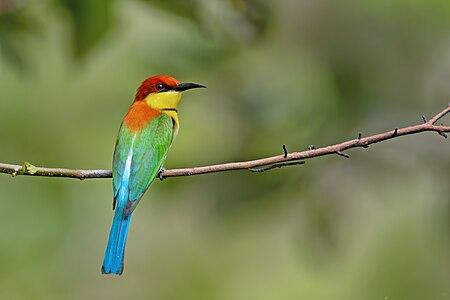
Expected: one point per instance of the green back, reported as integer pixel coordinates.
(149, 149)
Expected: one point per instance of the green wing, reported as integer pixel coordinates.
(146, 152)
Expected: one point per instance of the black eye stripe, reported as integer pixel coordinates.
(163, 87)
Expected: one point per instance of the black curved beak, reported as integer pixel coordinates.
(187, 86)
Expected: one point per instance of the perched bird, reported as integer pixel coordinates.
(146, 133)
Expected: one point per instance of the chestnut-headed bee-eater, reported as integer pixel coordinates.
(146, 133)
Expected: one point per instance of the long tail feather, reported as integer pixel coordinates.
(115, 251)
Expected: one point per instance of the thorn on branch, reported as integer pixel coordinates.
(280, 165)
(311, 147)
(425, 120)
(363, 144)
(342, 154)
(395, 132)
(161, 174)
(285, 151)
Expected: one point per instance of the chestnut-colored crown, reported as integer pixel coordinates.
(155, 84)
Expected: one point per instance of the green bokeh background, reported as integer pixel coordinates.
(293, 72)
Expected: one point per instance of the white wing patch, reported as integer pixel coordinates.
(127, 170)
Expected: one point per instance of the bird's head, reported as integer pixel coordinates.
(163, 92)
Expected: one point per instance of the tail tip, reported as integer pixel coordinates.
(107, 271)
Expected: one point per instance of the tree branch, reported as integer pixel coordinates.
(258, 165)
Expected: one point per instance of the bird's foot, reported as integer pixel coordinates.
(161, 174)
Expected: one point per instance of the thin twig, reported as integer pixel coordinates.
(280, 165)
(439, 116)
(15, 170)
(268, 163)
(340, 153)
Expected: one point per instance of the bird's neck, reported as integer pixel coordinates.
(167, 103)
(173, 114)
(139, 115)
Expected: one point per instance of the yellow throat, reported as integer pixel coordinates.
(166, 102)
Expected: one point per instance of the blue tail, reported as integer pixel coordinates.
(113, 261)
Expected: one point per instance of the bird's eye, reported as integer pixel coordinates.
(160, 86)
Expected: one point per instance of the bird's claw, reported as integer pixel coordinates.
(161, 174)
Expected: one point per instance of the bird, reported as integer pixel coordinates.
(145, 136)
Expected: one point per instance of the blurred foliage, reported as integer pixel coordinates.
(183, 8)
(14, 26)
(278, 72)
(91, 19)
